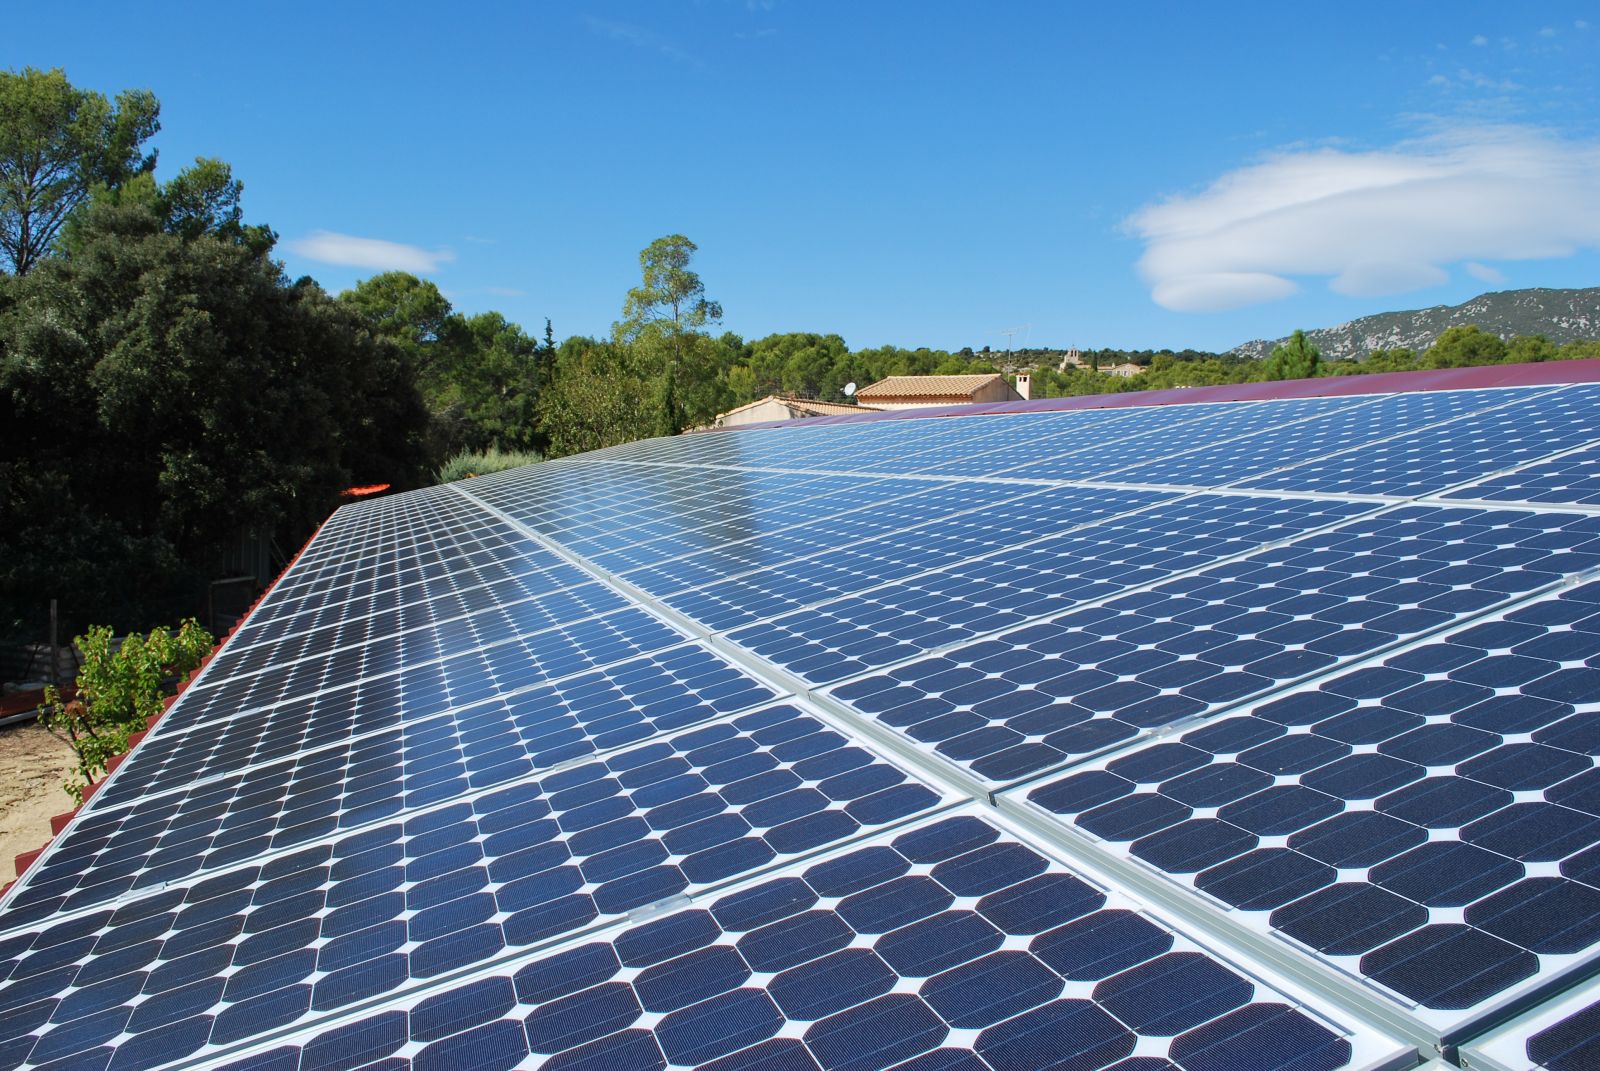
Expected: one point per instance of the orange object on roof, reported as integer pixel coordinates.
(364, 491)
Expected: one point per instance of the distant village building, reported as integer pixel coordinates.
(912, 392)
(1074, 359)
(779, 407)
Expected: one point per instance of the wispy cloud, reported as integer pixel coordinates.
(1484, 273)
(475, 240)
(1375, 222)
(505, 291)
(1479, 40)
(347, 250)
(640, 37)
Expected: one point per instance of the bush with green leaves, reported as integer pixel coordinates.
(120, 687)
(471, 463)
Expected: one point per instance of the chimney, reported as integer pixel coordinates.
(1025, 385)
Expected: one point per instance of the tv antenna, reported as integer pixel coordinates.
(1012, 332)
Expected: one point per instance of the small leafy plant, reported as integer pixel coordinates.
(482, 462)
(119, 689)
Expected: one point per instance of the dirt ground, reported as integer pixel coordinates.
(33, 764)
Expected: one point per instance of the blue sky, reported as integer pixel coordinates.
(1137, 175)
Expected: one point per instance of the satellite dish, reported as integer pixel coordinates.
(849, 390)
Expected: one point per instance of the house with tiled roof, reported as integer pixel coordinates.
(782, 407)
(911, 392)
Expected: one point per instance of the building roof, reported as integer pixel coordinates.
(928, 386)
(1543, 373)
(805, 406)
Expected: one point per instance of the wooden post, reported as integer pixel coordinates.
(55, 647)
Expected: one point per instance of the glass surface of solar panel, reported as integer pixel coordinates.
(1011, 705)
(310, 932)
(952, 945)
(539, 717)
(1429, 823)
(1467, 448)
(308, 794)
(1343, 428)
(909, 616)
(1571, 478)
(1563, 1035)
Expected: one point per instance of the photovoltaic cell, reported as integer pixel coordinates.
(950, 946)
(1564, 1035)
(502, 773)
(1343, 428)
(1024, 701)
(1443, 455)
(1429, 823)
(910, 616)
(1572, 478)
(311, 794)
(261, 946)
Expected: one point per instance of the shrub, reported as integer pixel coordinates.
(118, 692)
(480, 463)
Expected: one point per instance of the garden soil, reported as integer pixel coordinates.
(33, 766)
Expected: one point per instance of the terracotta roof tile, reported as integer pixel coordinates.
(928, 386)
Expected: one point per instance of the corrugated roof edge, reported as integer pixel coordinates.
(1544, 373)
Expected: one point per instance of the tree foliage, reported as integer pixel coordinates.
(162, 387)
(1296, 358)
(120, 687)
(58, 143)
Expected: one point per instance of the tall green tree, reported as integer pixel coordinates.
(163, 387)
(663, 318)
(1296, 358)
(57, 143)
(1464, 346)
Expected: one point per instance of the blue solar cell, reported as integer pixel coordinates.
(314, 794)
(1439, 840)
(412, 899)
(773, 975)
(1534, 425)
(1029, 699)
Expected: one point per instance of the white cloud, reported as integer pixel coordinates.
(349, 251)
(1372, 223)
(1479, 40)
(1484, 273)
(1547, 31)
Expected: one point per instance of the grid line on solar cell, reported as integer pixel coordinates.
(1228, 422)
(1009, 706)
(1454, 452)
(584, 640)
(835, 638)
(1349, 428)
(1428, 821)
(739, 596)
(466, 883)
(1562, 1035)
(105, 852)
(1570, 477)
(952, 942)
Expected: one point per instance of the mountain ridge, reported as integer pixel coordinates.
(1561, 315)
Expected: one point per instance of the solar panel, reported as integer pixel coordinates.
(1428, 822)
(946, 944)
(1563, 1035)
(1217, 734)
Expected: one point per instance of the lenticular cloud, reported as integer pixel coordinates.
(1373, 223)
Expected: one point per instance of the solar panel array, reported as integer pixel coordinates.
(1223, 735)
